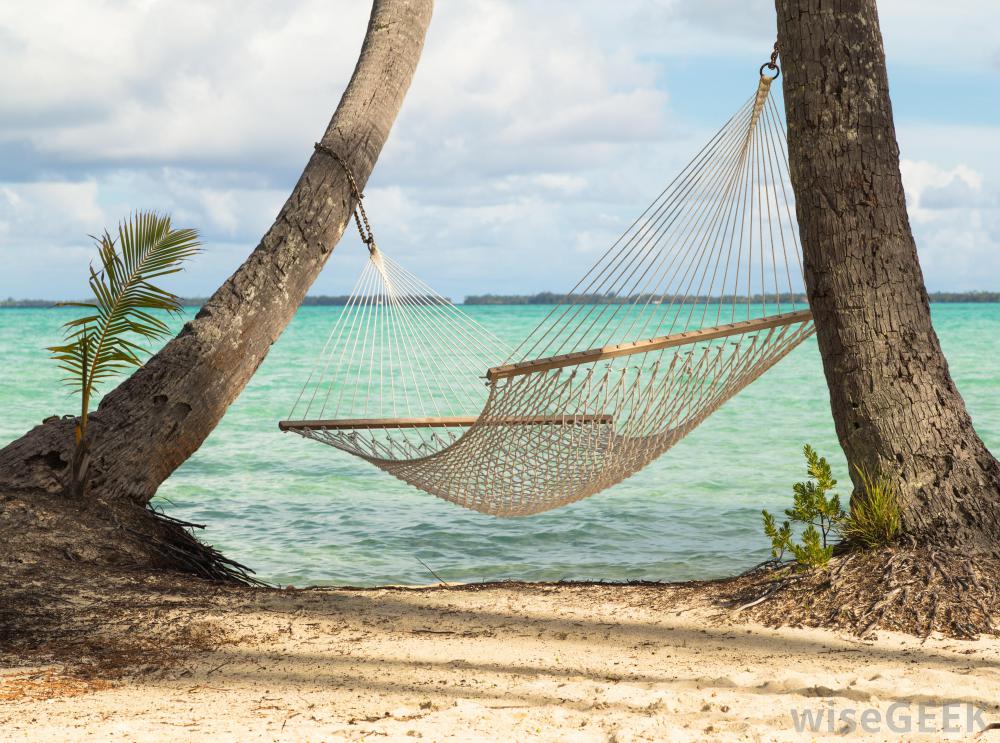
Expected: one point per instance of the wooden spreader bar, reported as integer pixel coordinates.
(578, 358)
(442, 422)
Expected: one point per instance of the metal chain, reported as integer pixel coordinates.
(367, 236)
(773, 63)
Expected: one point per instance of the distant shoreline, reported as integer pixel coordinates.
(552, 298)
(541, 298)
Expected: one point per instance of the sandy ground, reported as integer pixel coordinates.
(550, 663)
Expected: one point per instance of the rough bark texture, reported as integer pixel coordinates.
(156, 419)
(895, 405)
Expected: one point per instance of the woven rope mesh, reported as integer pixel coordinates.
(693, 302)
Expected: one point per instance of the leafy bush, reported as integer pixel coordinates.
(874, 520)
(816, 507)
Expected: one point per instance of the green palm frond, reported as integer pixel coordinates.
(102, 343)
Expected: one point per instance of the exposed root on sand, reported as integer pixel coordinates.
(918, 590)
(47, 529)
(89, 588)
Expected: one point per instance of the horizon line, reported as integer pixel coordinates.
(545, 298)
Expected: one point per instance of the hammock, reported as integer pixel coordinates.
(695, 301)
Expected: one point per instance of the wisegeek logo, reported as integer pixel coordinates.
(900, 717)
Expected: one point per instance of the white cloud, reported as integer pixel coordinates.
(956, 223)
(728, 20)
(44, 225)
(930, 189)
(593, 242)
(501, 127)
(44, 228)
(957, 35)
(568, 184)
(122, 82)
(49, 208)
(531, 133)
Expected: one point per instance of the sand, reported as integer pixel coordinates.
(500, 662)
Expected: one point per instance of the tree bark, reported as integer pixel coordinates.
(151, 423)
(894, 403)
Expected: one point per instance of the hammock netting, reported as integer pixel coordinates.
(691, 304)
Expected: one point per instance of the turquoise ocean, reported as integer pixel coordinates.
(301, 513)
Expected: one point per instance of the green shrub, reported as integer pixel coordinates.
(817, 508)
(874, 520)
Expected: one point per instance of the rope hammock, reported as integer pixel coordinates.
(693, 303)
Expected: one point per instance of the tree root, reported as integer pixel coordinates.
(918, 590)
(172, 539)
(55, 535)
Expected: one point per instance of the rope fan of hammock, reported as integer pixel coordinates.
(691, 304)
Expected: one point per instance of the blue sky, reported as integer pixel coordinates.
(533, 132)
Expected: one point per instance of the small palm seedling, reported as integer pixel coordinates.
(817, 508)
(103, 343)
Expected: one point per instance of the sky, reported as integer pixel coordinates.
(532, 135)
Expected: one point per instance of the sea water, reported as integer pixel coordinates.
(301, 513)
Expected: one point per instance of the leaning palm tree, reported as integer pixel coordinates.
(102, 344)
(158, 416)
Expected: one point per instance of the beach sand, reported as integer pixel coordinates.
(509, 662)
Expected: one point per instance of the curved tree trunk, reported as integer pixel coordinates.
(895, 405)
(148, 426)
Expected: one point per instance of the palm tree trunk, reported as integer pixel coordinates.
(148, 426)
(895, 405)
